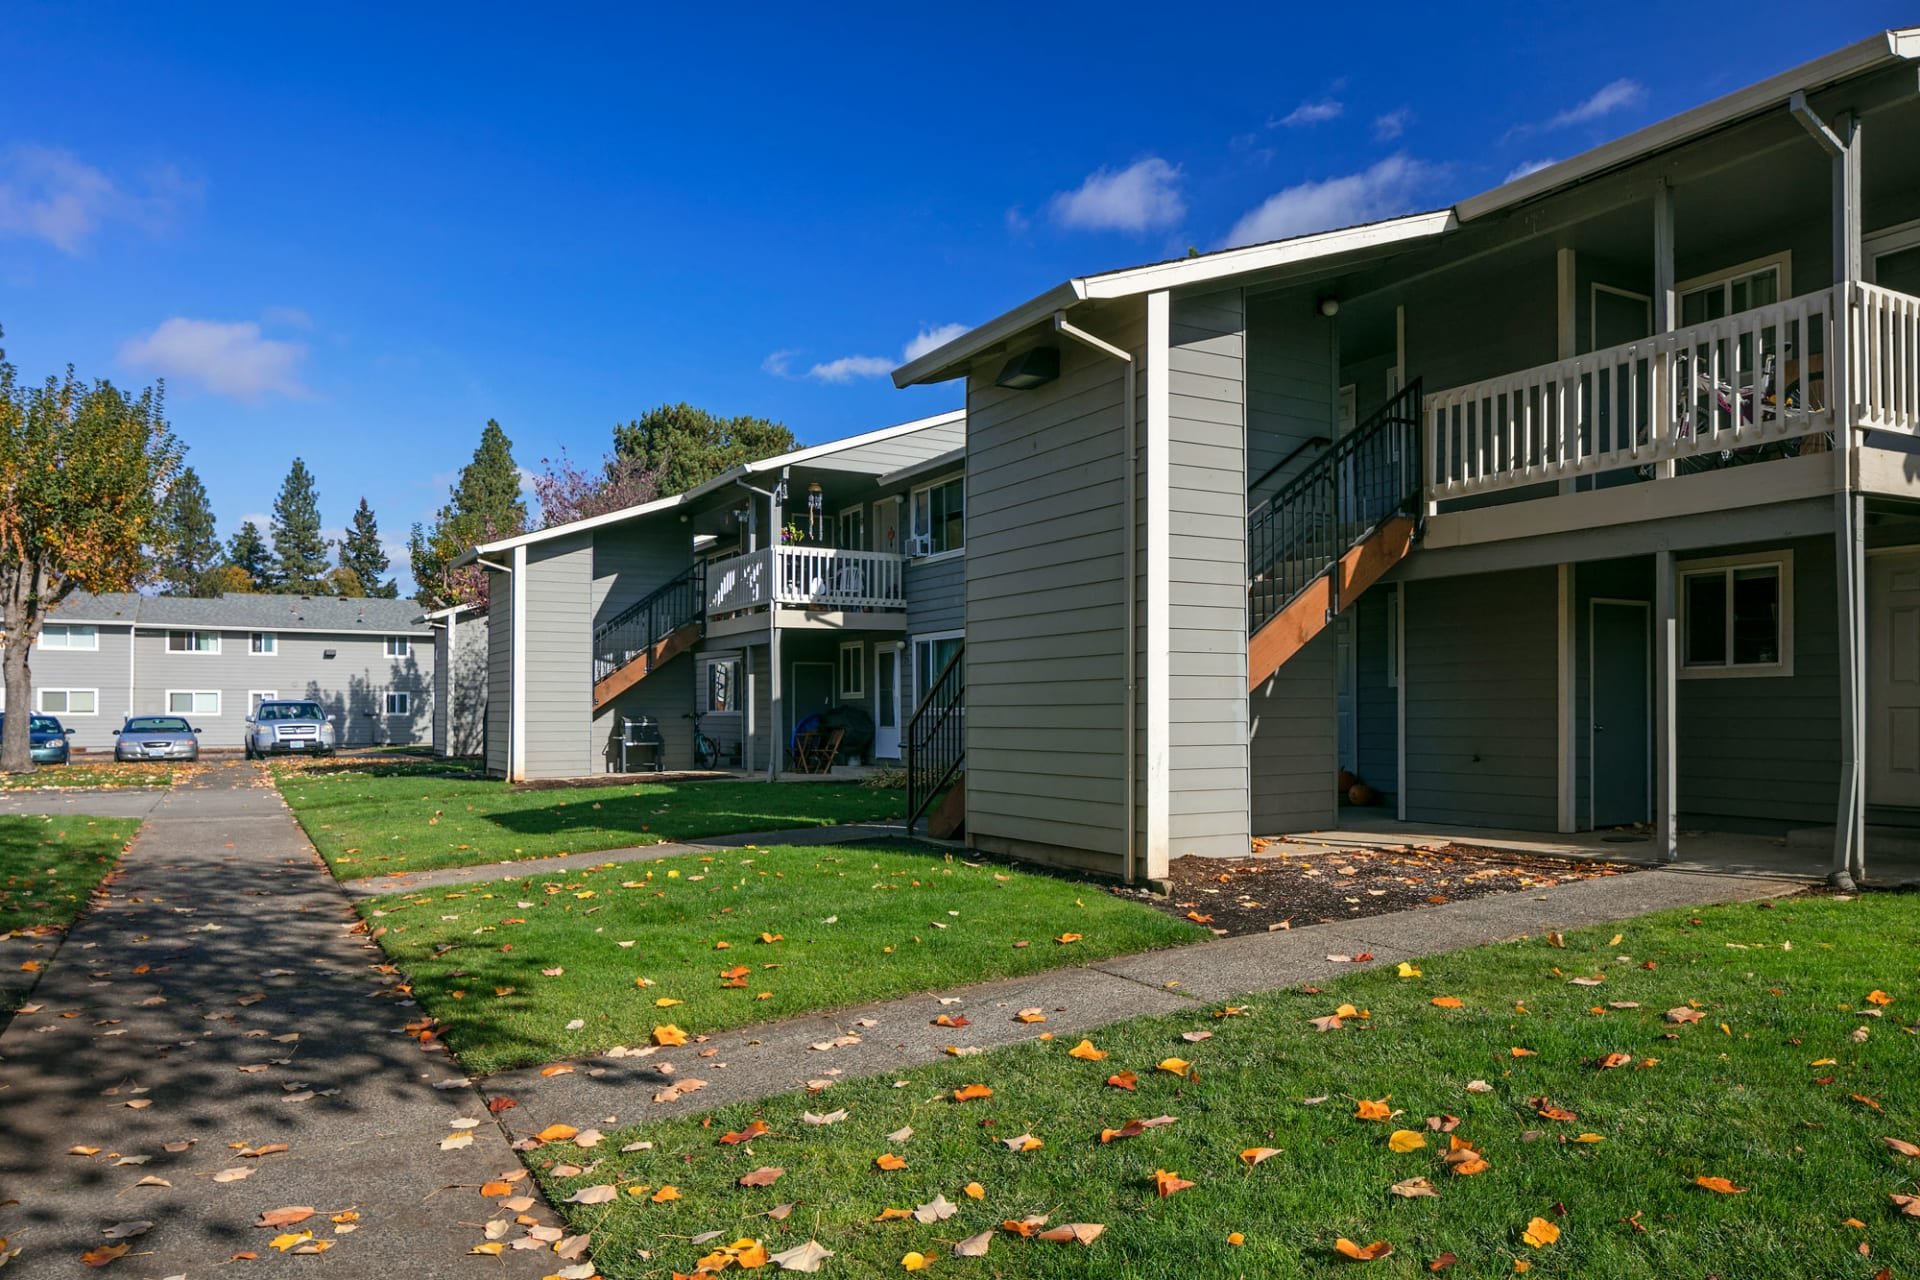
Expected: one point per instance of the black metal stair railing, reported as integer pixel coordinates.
(631, 634)
(1371, 474)
(936, 737)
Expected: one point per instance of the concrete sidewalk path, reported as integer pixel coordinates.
(93, 802)
(760, 1061)
(566, 864)
(217, 1001)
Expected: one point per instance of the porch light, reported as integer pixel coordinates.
(1032, 368)
(1329, 307)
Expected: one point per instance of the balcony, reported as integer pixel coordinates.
(808, 586)
(1748, 387)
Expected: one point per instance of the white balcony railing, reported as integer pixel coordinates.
(1886, 360)
(1739, 383)
(817, 577)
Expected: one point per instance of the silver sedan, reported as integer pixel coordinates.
(157, 738)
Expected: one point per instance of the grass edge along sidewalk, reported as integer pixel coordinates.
(526, 972)
(88, 775)
(1590, 1087)
(383, 818)
(50, 866)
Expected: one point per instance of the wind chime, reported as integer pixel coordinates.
(814, 501)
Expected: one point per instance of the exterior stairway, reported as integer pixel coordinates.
(647, 635)
(937, 750)
(1331, 532)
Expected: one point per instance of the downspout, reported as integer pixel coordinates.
(1131, 411)
(774, 498)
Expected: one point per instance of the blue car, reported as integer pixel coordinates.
(48, 738)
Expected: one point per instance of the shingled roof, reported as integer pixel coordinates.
(337, 614)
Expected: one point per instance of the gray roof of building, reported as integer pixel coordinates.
(338, 614)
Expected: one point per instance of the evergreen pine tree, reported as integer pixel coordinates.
(247, 552)
(299, 548)
(361, 552)
(484, 504)
(489, 487)
(189, 544)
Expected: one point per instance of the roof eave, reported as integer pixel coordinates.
(944, 363)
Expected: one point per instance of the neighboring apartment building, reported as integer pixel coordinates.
(103, 657)
(460, 647)
(1591, 501)
(847, 585)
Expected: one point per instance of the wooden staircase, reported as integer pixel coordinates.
(1331, 532)
(645, 636)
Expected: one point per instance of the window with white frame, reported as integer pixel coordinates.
(193, 702)
(1736, 616)
(193, 642)
(263, 644)
(939, 518)
(257, 696)
(853, 670)
(399, 703)
(70, 635)
(1759, 283)
(853, 529)
(720, 690)
(69, 702)
(399, 646)
(931, 654)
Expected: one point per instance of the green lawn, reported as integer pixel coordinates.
(107, 773)
(379, 818)
(49, 866)
(1746, 1093)
(854, 923)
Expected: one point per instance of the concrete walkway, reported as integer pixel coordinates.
(897, 1034)
(568, 863)
(93, 802)
(219, 1000)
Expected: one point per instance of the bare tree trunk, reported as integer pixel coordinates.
(15, 739)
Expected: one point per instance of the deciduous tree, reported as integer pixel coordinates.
(683, 446)
(568, 492)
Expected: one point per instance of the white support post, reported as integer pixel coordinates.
(1666, 307)
(1842, 142)
(1159, 613)
(1666, 653)
(1567, 320)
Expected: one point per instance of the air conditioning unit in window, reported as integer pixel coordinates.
(920, 544)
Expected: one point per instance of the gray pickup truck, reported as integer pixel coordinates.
(289, 726)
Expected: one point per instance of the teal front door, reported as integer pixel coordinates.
(1621, 714)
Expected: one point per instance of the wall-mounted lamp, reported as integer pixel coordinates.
(1329, 307)
(1032, 368)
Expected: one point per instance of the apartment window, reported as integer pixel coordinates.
(853, 670)
(400, 704)
(193, 702)
(70, 702)
(1736, 616)
(720, 690)
(263, 643)
(939, 518)
(930, 657)
(257, 696)
(193, 642)
(1751, 284)
(69, 635)
(399, 646)
(853, 529)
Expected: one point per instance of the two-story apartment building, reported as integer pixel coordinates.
(101, 658)
(825, 579)
(1590, 501)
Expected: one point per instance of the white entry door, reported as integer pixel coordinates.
(1893, 678)
(886, 702)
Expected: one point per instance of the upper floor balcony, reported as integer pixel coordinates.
(807, 586)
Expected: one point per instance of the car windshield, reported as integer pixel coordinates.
(290, 711)
(45, 724)
(156, 724)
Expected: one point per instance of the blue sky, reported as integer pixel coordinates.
(356, 233)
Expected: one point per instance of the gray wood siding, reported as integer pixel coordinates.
(1481, 700)
(103, 670)
(634, 559)
(1293, 743)
(1206, 589)
(460, 677)
(1045, 608)
(667, 696)
(499, 713)
(1377, 704)
(1291, 382)
(557, 595)
(936, 594)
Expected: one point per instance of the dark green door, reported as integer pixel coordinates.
(1621, 715)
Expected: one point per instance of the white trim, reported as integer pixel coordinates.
(66, 631)
(386, 702)
(938, 482)
(1593, 659)
(1593, 310)
(517, 668)
(194, 632)
(1563, 738)
(253, 644)
(150, 628)
(193, 693)
(1159, 572)
(39, 710)
(257, 696)
(703, 682)
(405, 643)
(916, 690)
(1895, 239)
(859, 651)
(1684, 569)
(1782, 262)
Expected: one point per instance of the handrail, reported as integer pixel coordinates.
(1371, 474)
(936, 737)
(1311, 442)
(631, 634)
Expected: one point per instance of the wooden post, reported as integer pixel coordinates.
(1666, 653)
(1666, 306)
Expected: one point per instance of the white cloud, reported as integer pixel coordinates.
(287, 317)
(780, 363)
(227, 359)
(1140, 197)
(1018, 223)
(1317, 111)
(851, 369)
(1520, 171)
(856, 368)
(49, 194)
(1388, 188)
(1391, 125)
(931, 339)
(1603, 101)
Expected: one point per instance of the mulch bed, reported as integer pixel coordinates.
(1294, 885)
